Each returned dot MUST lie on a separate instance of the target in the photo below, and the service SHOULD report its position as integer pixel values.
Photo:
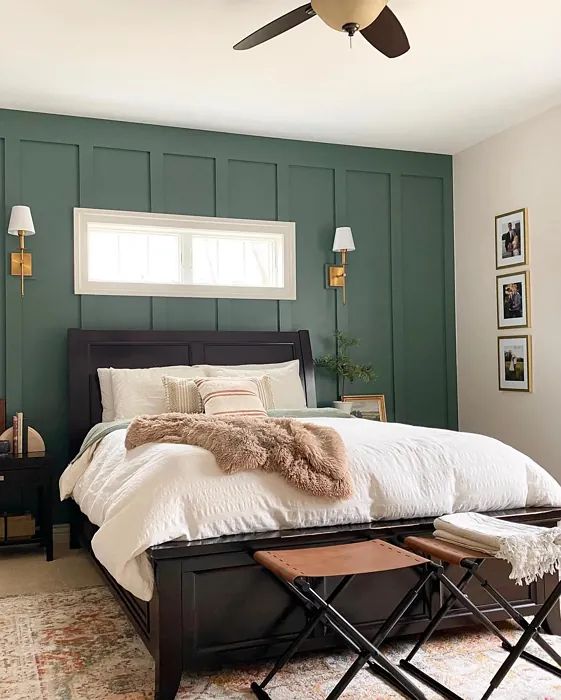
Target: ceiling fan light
(338, 13)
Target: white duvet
(161, 492)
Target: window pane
(237, 260)
(164, 259)
(103, 256)
(133, 256)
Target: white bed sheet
(160, 492)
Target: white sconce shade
(21, 220)
(343, 239)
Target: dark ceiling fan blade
(387, 35)
(278, 26)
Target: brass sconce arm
(337, 275)
(21, 264)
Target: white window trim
(84, 286)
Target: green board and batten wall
(400, 290)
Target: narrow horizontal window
(130, 253)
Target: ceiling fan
(372, 18)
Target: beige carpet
(24, 569)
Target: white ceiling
(475, 68)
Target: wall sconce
(337, 274)
(21, 225)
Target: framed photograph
(511, 238)
(515, 363)
(369, 406)
(513, 300)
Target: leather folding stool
(471, 561)
(297, 569)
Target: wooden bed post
(75, 526)
(167, 621)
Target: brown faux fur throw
(311, 457)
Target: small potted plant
(341, 365)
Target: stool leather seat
(367, 557)
(445, 551)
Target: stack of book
(20, 435)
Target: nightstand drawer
(21, 477)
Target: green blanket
(98, 432)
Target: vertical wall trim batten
(341, 320)
(156, 181)
(283, 214)
(86, 173)
(277, 304)
(449, 300)
(341, 219)
(398, 331)
(216, 177)
(157, 204)
(222, 207)
(85, 189)
(13, 300)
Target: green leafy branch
(341, 365)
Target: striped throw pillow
(182, 396)
(231, 397)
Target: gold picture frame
(368, 411)
(509, 383)
(520, 217)
(524, 281)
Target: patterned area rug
(79, 646)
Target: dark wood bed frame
(212, 603)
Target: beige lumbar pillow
(231, 397)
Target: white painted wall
(518, 168)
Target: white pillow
(108, 409)
(288, 391)
(273, 365)
(140, 391)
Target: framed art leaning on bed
(211, 603)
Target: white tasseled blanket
(531, 551)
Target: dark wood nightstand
(32, 471)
